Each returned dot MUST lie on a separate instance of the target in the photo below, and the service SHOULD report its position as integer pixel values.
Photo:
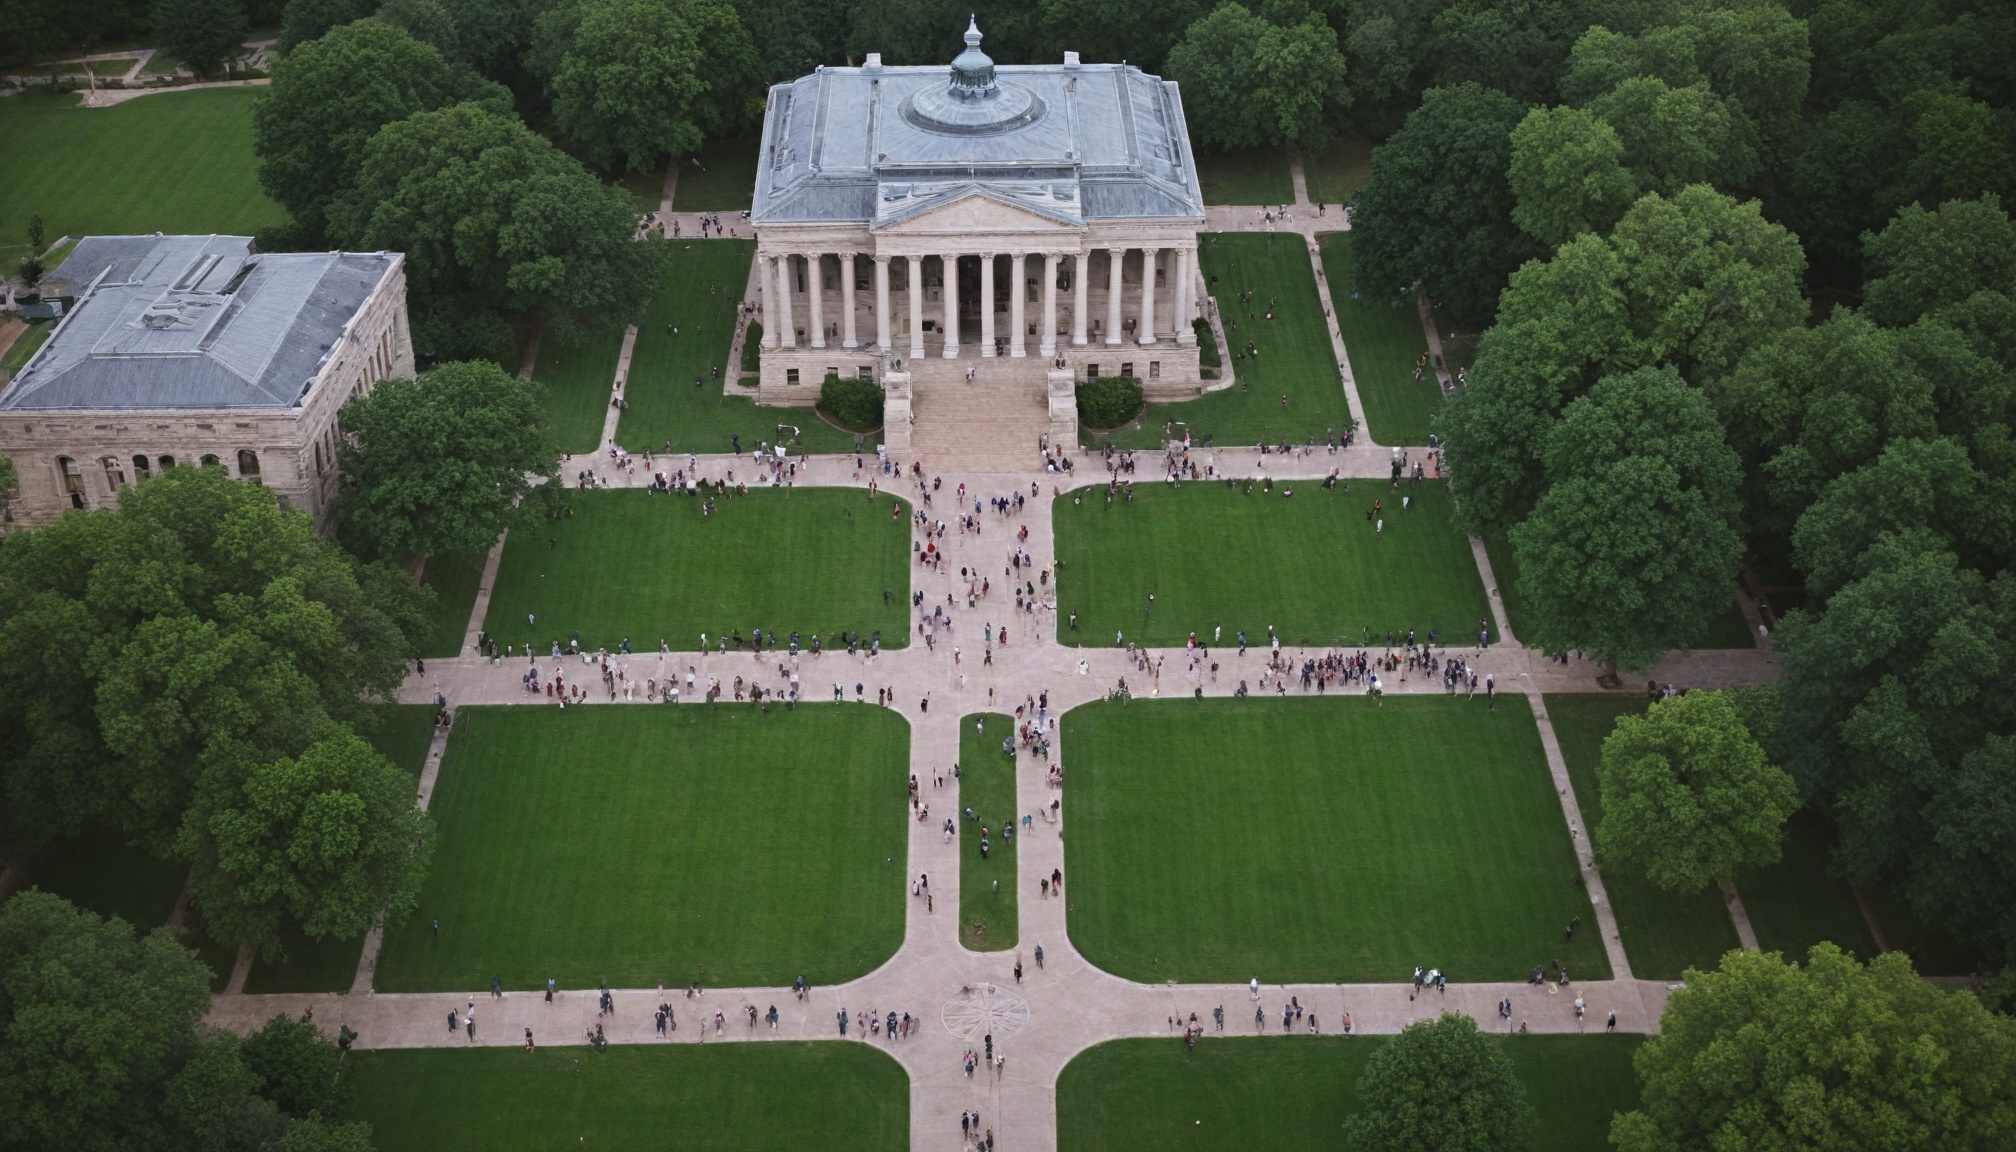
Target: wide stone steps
(990, 426)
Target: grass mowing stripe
(987, 895)
(1312, 566)
(1664, 934)
(1312, 839)
(1382, 336)
(1287, 1094)
(455, 577)
(820, 560)
(722, 178)
(577, 376)
(720, 1097)
(633, 845)
(1794, 904)
(1245, 176)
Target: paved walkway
(1064, 1005)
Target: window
(1127, 370)
(1154, 369)
(832, 370)
(167, 462)
(1091, 371)
(791, 376)
(248, 465)
(139, 469)
(865, 372)
(73, 480)
(115, 476)
(211, 462)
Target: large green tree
(1689, 799)
(1925, 261)
(1674, 137)
(1141, 32)
(1440, 1084)
(643, 79)
(493, 218)
(439, 464)
(1438, 209)
(1633, 546)
(1568, 175)
(1248, 82)
(307, 20)
(207, 35)
(329, 97)
(1827, 1054)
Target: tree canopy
(1255, 83)
(1440, 1084)
(1567, 175)
(438, 464)
(206, 35)
(1827, 1054)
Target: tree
(437, 464)
(329, 97)
(94, 1023)
(1438, 209)
(1923, 261)
(296, 1068)
(310, 19)
(1689, 799)
(643, 79)
(1250, 83)
(1674, 137)
(206, 34)
(1440, 1084)
(10, 484)
(493, 218)
(1567, 175)
(1634, 546)
(1139, 33)
(1829, 1054)
(427, 21)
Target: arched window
(167, 462)
(140, 471)
(73, 480)
(115, 474)
(248, 465)
(211, 461)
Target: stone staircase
(994, 424)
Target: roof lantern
(973, 70)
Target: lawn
(103, 873)
(1382, 335)
(179, 162)
(1794, 904)
(1318, 840)
(1310, 566)
(1286, 1095)
(720, 1097)
(987, 786)
(403, 734)
(651, 568)
(1339, 170)
(1932, 951)
(455, 578)
(24, 347)
(646, 189)
(644, 844)
(1296, 359)
(1726, 629)
(722, 178)
(675, 390)
(1246, 176)
(1664, 934)
(578, 376)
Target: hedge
(851, 402)
(1109, 401)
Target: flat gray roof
(194, 322)
(874, 145)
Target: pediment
(974, 209)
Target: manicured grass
(1287, 1094)
(1933, 952)
(722, 178)
(1318, 840)
(654, 568)
(1664, 934)
(455, 578)
(703, 284)
(1247, 176)
(720, 1097)
(1383, 338)
(101, 872)
(403, 734)
(1296, 359)
(25, 345)
(578, 376)
(1726, 629)
(987, 786)
(646, 189)
(1311, 566)
(179, 162)
(1338, 171)
(632, 845)
(1794, 904)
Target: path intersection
(961, 997)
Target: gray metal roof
(1076, 142)
(194, 322)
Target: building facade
(198, 351)
(1039, 216)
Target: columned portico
(815, 286)
(847, 301)
(1116, 260)
(1147, 324)
(1048, 344)
(1018, 340)
(916, 292)
(987, 305)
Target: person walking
(528, 1041)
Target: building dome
(973, 70)
(974, 103)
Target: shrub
(1207, 344)
(752, 348)
(851, 402)
(1109, 401)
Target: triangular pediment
(972, 208)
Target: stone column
(1049, 342)
(949, 288)
(847, 301)
(1148, 294)
(787, 334)
(768, 282)
(1186, 297)
(815, 284)
(1078, 290)
(1017, 318)
(882, 341)
(987, 304)
(916, 307)
(1116, 259)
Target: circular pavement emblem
(983, 1010)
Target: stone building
(1011, 220)
(199, 351)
